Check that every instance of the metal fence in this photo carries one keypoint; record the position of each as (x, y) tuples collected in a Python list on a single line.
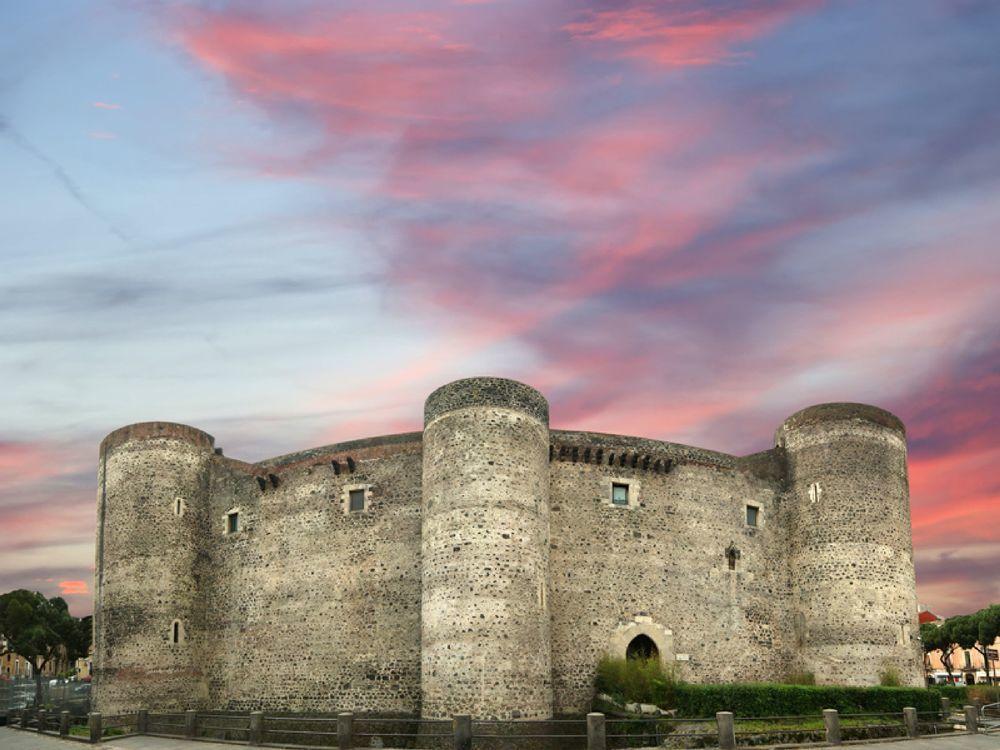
[(70, 695), (594, 731)]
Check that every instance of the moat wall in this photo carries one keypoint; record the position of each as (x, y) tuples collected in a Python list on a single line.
[(489, 570)]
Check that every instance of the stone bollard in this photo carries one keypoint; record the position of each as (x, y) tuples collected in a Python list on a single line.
[(94, 724), (831, 720), (596, 732), (345, 730), (190, 723), (64, 723), (727, 730), (257, 727), (142, 721), (945, 707), (462, 727), (910, 721), (971, 720), (42, 716)]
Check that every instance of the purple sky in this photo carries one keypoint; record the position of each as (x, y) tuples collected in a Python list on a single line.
[(286, 223)]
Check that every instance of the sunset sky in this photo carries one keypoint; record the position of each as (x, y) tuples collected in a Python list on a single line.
[(287, 222)]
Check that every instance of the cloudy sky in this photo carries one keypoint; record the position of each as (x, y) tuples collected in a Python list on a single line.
[(287, 222)]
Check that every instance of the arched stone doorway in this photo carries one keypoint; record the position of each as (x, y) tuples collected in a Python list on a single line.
[(642, 647), (642, 635)]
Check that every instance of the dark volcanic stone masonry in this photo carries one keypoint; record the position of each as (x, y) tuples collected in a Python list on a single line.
[(486, 564)]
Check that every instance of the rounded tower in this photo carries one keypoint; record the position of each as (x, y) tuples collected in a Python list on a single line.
[(851, 552), (485, 546), (152, 503)]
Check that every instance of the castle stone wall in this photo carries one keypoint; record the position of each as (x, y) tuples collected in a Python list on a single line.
[(146, 556), (489, 569), (658, 566), (851, 554), (485, 552), (315, 607)]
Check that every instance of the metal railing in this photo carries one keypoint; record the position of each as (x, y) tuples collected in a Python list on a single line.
[(595, 731)]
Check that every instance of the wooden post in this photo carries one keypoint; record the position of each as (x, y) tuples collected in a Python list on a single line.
[(142, 721), (971, 720), (597, 738), (94, 723), (190, 723), (42, 715), (63, 723), (257, 727), (727, 730), (462, 727), (910, 721), (345, 730), (831, 720)]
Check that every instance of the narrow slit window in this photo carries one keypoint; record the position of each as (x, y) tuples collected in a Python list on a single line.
[(356, 500), (815, 492), (753, 515), (178, 507), (177, 632), (232, 522), (619, 493)]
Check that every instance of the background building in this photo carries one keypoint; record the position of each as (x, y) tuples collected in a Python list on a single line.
[(968, 666)]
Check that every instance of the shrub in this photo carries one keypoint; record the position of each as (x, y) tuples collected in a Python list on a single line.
[(646, 681), (962, 694), (750, 700), (636, 681), (889, 677)]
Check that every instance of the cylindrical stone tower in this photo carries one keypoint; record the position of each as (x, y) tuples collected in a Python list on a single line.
[(485, 612), (152, 507), (851, 550)]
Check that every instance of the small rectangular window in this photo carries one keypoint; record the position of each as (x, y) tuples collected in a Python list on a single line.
[(752, 513), (232, 523), (619, 494), (356, 500)]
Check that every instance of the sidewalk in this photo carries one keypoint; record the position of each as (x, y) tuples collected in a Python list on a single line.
[(15, 739)]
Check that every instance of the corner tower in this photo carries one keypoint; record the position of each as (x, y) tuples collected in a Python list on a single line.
[(851, 552), (152, 504), (485, 548)]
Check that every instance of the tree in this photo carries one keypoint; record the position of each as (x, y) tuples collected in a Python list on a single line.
[(937, 638), (988, 630), (964, 631), (41, 630)]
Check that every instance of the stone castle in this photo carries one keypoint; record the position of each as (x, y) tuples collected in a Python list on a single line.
[(486, 564)]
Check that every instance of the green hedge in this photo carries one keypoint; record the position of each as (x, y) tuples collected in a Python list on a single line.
[(960, 694), (765, 699), (646, 681)]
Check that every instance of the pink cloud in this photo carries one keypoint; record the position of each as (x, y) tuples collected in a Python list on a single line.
[(73, 588), (106, 105), (683, 34), (368, 73), (578, 238)]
